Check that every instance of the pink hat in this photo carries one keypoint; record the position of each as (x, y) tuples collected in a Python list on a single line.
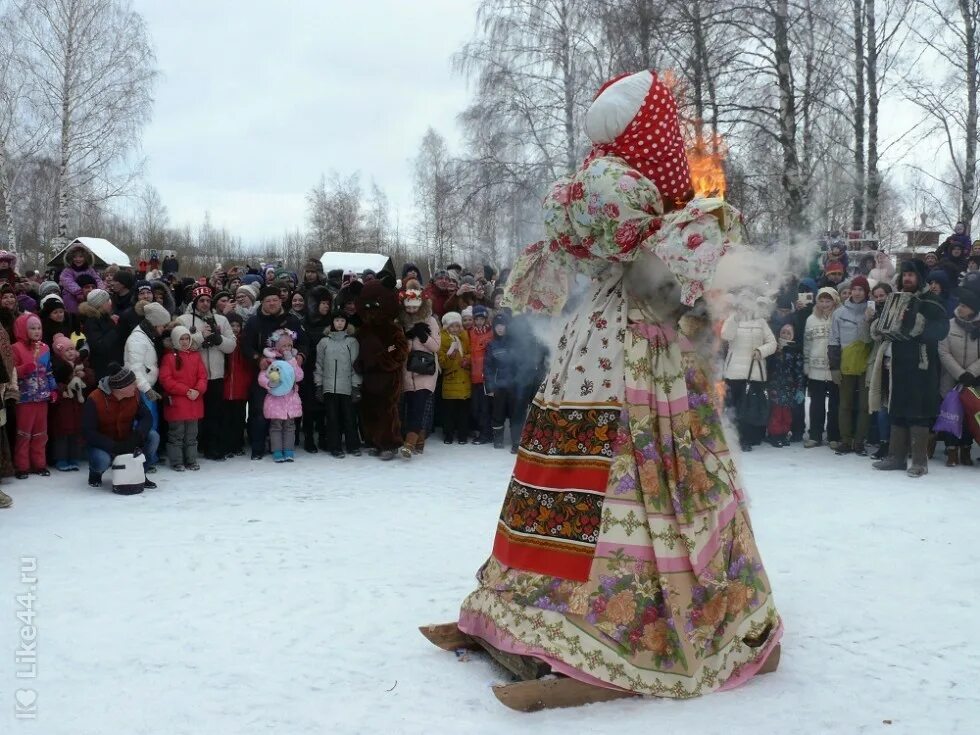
[(61, 343)]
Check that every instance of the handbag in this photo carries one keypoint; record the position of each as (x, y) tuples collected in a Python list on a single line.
[(421, 362), (753, 407), (950, 414)]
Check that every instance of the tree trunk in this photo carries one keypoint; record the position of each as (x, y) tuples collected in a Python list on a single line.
[(970, 162), (568, 84), (792, 184), (857, 212), (873, 178), (64, 171)]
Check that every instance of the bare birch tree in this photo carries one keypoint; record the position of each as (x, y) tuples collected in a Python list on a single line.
[(94, 68)]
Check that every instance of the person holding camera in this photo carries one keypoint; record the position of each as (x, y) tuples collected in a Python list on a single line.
[(212, 337)]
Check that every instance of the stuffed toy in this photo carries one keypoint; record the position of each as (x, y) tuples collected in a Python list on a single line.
[(381, 362)]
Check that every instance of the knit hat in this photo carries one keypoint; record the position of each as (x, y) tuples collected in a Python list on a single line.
[(143, 286), (843, 285), (831, 292), (914, 265), (200, 291), (60, 343), (218, 295), (338, 314), (502, 317), (97, 297), (119, 377), (480, 310), (84, 279), (234, 317), (267, 291), (452, 317), (51, 302), (968, 294), (247, 291), (834, 266), (176, 333), (467, 312), (126, 279), (48, 287), (156, 315), (861, 282)]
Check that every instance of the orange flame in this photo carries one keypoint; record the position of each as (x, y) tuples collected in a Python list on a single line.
[(707, 163)]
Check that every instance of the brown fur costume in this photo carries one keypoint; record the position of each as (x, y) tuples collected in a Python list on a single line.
[(383, 351)]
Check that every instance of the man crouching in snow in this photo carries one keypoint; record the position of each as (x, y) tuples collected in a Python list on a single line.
[(116, 421)]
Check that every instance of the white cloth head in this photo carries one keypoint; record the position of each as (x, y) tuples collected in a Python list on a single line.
[(616, 106)]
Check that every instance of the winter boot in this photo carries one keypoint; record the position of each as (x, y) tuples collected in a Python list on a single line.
[(278, 457), (897, 458), (881, 452), (309, 445), (420, 443), (920, 451), (952, 456), (932, 445), (408, 447), (94, 479), (5, 500), (965, 459), (498, 438)]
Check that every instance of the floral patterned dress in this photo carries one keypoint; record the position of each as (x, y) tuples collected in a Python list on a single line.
[(624, 556)]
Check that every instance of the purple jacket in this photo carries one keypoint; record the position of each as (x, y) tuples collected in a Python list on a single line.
[(71, 292)]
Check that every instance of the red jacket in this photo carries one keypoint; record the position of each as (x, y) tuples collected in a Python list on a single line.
[(177, 381), (437, 298), (240, 376), (479, 339)]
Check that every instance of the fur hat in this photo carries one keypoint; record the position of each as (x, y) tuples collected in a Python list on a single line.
[(914, 265), (97, 297), (452, 317), (85, 279), (156, 315)]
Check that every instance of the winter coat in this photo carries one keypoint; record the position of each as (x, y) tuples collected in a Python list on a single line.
[(32, 362), (786, 380), (456, 383), (284, 407), (140, 356), (212, 357), (240, 375), (744, 336), (479, 339), (913, 394), (959, 353), (105, 343), (260, 326), (176, 381), (415, 381), (317, 325), (335, 357), (816, 340), (884, 270), (850, 338), (115, 425), (501, 364), (71, 292), (437, 299), (65, 416)]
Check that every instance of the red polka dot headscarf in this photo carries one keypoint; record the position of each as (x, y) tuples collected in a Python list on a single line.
[(634, 117)]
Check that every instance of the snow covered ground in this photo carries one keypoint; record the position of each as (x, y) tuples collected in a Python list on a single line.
[(255, 598)]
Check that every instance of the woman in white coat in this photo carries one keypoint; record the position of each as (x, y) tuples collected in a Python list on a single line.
[(140, 355), (750, 342)]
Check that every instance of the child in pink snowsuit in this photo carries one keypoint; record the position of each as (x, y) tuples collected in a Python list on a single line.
[(32, 359), (282, 405)]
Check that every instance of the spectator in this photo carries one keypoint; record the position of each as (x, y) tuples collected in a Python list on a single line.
[(913, 400), (105, 342), (884, 270), (959, 353), (454, 360), (338, 386), (141, 354), (480, 336), (185, 383), (240, 376), (114, 422), (317, 323), (750, 342), (78, 261), (849, 347), (816, 367), (879, 295), (423, 335), (32, 360)]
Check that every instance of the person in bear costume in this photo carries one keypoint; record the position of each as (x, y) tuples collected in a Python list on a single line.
[(383, 351)]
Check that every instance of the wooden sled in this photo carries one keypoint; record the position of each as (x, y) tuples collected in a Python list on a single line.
[(539, 689)]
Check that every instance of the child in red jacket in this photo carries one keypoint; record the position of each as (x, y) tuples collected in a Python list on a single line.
[(32, 359), (480, 335), (184, 380), (240, 376)]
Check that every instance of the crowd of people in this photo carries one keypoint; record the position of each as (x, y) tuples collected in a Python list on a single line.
[(875, 346), (259, 361), (114, 361)]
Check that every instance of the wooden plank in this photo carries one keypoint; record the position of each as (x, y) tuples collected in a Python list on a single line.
[(449, 637), (533, 696)]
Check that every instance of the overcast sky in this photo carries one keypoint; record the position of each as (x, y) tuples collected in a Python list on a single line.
[(257, 99)]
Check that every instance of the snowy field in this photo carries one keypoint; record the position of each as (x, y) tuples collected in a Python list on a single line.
[(260, 598)]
